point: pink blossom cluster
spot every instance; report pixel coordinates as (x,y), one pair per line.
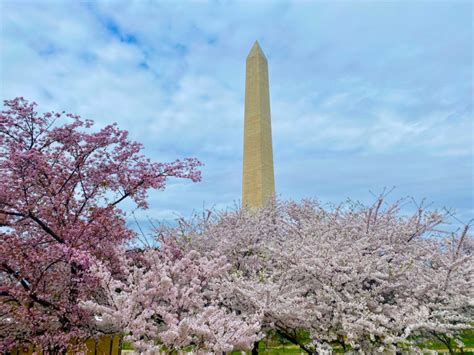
(60,187)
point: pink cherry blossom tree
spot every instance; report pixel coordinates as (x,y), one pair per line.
(170,299)
(60,188)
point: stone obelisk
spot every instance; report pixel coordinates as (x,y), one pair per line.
(258,182)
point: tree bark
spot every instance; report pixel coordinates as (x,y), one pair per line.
(255,348)
(294,341)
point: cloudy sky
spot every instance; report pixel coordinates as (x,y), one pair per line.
(364,95)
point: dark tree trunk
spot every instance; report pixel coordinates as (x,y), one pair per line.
(255,348)
(295,341)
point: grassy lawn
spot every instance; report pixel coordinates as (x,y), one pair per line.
(273,347)
(467,339)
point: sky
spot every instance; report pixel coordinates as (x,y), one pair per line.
(364,95)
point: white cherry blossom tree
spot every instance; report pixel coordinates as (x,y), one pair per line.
(170,299)
(361,277)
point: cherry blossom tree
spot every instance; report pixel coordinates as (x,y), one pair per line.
(60,188)
(361,277)
(446,294)
(171,299)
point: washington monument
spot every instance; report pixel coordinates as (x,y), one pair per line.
(258,181)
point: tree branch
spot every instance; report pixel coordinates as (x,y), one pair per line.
(24,284)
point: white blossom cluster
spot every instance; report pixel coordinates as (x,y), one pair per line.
(364,278)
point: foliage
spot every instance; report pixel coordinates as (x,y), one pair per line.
(60,187)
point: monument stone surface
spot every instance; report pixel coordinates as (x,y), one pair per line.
(258,181)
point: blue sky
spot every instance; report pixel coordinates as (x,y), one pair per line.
(364,95)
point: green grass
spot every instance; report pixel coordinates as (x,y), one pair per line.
(276,347)
(467,338)
(282,349)
(127,346)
